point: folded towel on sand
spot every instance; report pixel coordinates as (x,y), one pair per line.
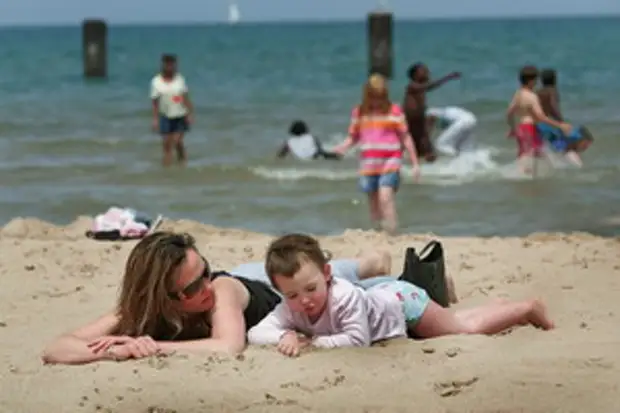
(122,223)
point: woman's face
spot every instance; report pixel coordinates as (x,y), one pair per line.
(193,285)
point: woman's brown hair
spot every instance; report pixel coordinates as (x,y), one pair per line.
(144,305)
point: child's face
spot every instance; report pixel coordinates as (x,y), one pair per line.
(422,74)
(306,292)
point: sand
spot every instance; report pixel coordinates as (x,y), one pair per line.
(54,279)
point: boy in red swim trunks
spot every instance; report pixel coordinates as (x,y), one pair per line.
(526,106)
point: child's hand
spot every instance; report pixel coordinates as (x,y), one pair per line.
(289,344)
(511,134)
(415,172)
(339,150)
(304,341)
(566,128)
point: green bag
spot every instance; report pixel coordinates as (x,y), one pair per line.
(428,271)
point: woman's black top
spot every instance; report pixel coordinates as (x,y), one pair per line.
(262,299)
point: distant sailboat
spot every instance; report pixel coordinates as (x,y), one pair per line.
(233,13)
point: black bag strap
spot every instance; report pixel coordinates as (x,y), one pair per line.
(429,247)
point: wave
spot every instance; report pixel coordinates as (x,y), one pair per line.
(469,166)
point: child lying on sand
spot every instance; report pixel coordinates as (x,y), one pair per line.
(323,311)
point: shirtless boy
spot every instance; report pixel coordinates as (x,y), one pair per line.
(571,145)
(526,106)
(415,107)
(548,95)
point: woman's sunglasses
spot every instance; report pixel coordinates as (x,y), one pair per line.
(194,287)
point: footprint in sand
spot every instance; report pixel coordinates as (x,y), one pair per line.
(452,388)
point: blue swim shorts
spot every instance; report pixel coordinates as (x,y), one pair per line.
(172,125)
(372,183)
(413,299)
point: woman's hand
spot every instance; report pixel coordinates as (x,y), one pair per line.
(102,344)
(123,347)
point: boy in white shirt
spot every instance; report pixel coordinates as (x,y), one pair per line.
(457,127)
(323,311)
(303,145)
(172,108)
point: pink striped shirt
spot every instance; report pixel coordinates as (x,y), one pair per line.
(379,137)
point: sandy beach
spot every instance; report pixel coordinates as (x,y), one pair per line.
(54,279)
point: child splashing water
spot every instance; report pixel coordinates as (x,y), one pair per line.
(323,311)
(379,127)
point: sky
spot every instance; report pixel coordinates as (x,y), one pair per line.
(19,12)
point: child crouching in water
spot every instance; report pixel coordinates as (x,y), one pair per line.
(323,311)
(380,128)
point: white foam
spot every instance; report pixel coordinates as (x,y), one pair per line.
(475,165)
(295,174)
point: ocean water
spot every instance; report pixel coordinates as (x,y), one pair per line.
(70,147)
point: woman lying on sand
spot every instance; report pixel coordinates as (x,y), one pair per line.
(168,303)
(326,312)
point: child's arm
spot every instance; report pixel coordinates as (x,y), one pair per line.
(510,114)
(187,101)
(155,95)
(406,139)
(554,103)
(283,151)
(353,321)
(353,134)
(345,145)
(273,327)
(416,87)
(539,116)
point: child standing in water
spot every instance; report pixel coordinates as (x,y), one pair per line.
(172,108)
(570,145)
(379,127)
(526,106)
(323,311)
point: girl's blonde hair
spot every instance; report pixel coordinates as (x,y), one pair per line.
(375,96)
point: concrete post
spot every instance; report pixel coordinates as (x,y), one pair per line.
(380,53)
(94,48)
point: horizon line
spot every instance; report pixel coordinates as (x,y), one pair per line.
(177,23)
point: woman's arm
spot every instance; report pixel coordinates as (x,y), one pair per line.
(227,321)
(72,348)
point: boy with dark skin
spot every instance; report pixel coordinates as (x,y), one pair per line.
(570,145)
(414,107)
(548,95)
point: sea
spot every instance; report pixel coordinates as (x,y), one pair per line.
(71,146)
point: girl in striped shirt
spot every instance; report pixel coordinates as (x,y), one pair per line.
(379,127)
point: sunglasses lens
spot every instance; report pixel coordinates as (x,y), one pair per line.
(194,288)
